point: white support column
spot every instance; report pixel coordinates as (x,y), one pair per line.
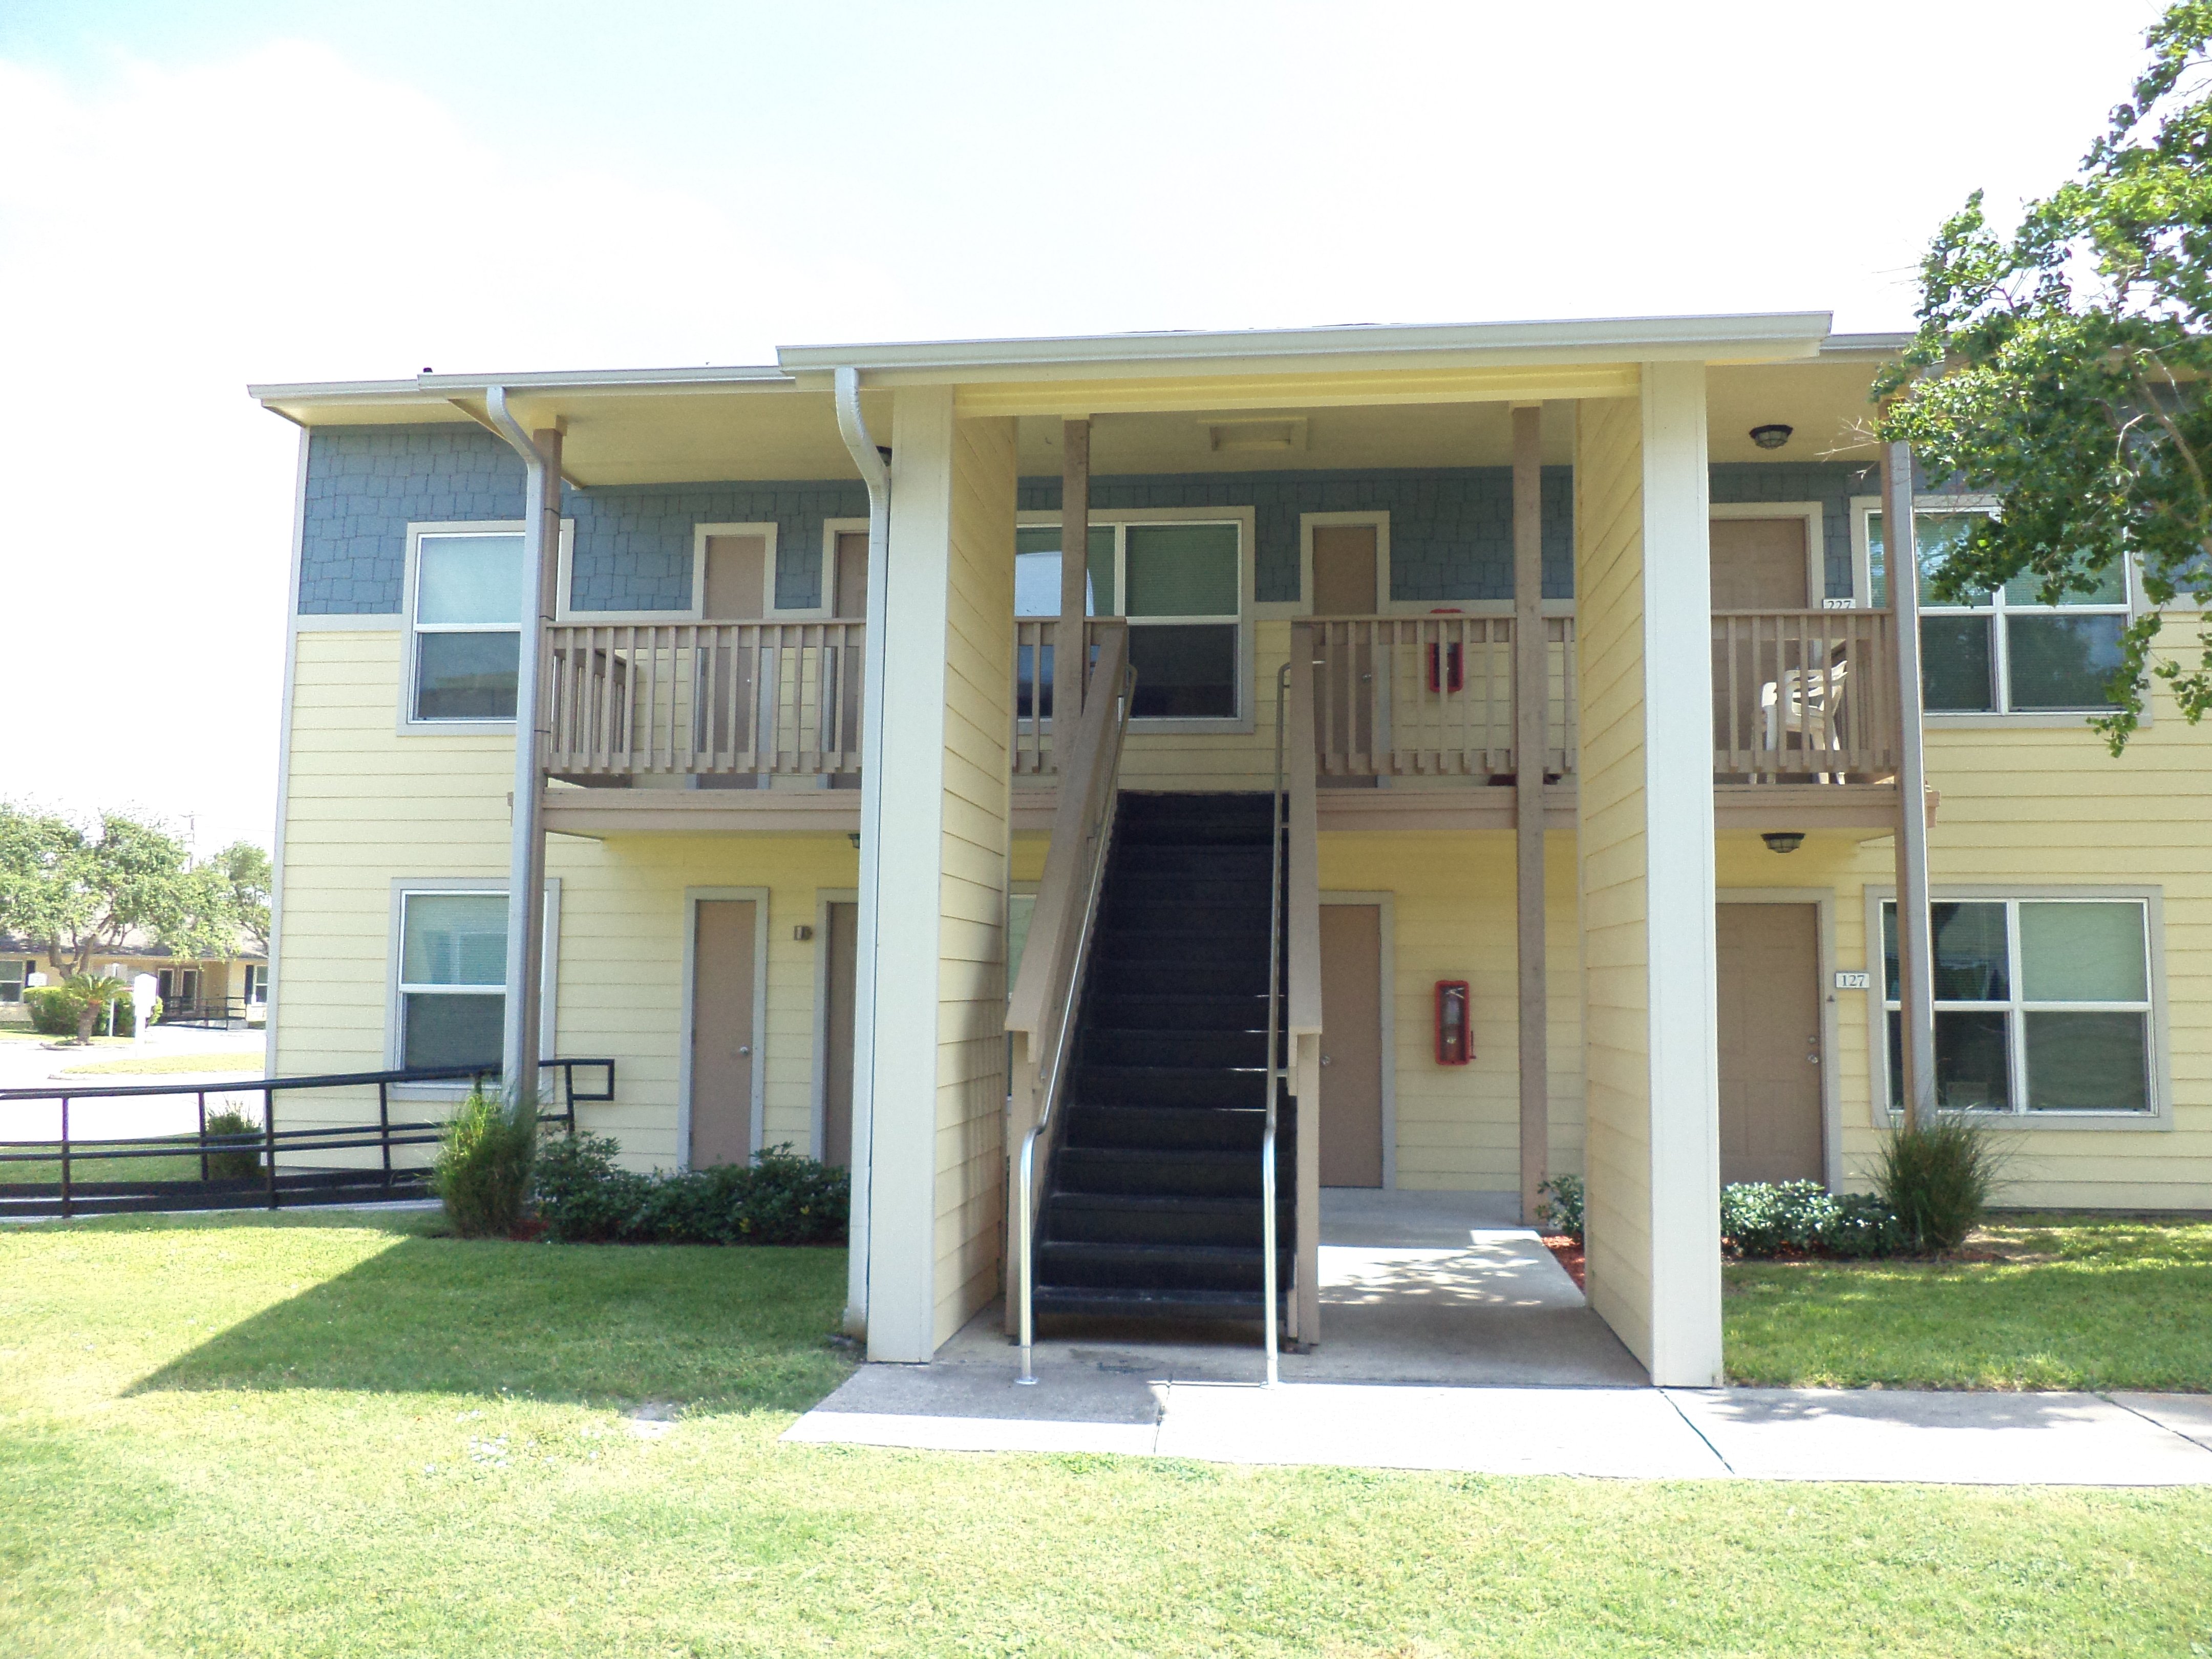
(1685,1062)
(1916,940)
(936,855)
(1531,707)
(902,1057)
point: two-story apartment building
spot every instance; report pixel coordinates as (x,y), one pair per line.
(838,851)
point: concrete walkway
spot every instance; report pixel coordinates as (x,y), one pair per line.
(1452,1340)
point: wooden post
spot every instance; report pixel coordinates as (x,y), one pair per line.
(1916,946)
(1071,657)
(1531,700)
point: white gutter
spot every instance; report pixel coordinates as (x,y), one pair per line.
(876,473)
(520,1034)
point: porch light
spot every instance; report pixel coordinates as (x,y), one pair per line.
(1773,435)
(1783,841)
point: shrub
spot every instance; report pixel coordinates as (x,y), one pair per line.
(1562,1205)
(484,1160)
(1938,1179)
(237,1163)
(54,1010)
(1762,1220)
(780,1198)
(89,995)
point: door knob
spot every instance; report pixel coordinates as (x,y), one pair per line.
(744,1048)
(1324,1060)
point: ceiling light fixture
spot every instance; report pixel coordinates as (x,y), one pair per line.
(1783,841)
(1773,435)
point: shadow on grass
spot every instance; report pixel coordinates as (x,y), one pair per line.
(718,1329)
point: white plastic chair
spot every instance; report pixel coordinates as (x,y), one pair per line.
(1806,701)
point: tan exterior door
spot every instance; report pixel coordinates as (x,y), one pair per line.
(1770,1043)
(1352,1045)
(1759,564)
(851,599)
(1343,559)
(723,1039)
(840,947)
(737,577)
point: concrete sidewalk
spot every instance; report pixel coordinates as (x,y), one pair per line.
(1623,1433)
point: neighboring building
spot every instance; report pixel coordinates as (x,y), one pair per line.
(780,946)
(229,990)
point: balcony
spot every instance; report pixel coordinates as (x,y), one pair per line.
(757,725)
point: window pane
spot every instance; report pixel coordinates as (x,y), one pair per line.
(2111,589)
(1970,951)
(1973,1067)
(1182,570)
(442,1029)
(2088,1062)
(1037,571)
(1937,535)
(470,579)
(466,676)
(1184,673)
(2062,662)
(2082,953)
(1954,663)
(455,938)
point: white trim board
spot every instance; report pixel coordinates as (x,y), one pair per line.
(757,1106)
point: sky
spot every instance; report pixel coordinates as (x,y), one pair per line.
(196,197)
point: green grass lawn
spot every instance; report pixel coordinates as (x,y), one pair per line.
(2077,1304)
(164,1064)
(339,1436)
(48,1172)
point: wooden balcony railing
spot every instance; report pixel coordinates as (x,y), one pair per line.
(632,700)
(1413,696)
(1804,696)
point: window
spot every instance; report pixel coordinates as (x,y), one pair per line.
(256,985)
(467,626)
(1181,587)
(14,975)
(2041,1005)
(453,978)
(2005,653)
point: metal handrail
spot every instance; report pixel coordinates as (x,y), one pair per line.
(1101,836)
(1268,1274)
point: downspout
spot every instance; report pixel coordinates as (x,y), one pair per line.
(525,858)
(1916,943)
(875,471)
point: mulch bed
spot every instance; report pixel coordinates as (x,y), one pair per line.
(1568,1252)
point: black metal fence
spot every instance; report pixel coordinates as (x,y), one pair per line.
(275,1166)
(215,1013)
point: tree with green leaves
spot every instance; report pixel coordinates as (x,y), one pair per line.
(247,876)
(76,892)
(2066,367)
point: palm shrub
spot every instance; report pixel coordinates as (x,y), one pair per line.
(237,1163)
(89,995)
(1937,1178)
(485,1157)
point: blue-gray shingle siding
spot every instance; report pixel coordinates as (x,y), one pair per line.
(1452,530)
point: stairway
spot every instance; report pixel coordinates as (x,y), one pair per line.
(1152,1204)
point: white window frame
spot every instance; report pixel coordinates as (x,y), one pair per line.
(1244,518)
(1815,517)
(395,1003)
(832,529)
(818,1093)
(1999,609)
(2157,1068)
(410,664)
